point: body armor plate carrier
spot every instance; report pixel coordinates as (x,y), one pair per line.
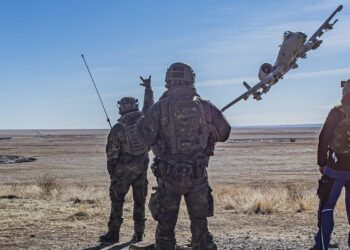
(131,143)
(340,142)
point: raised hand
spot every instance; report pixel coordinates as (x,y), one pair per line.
(146,82)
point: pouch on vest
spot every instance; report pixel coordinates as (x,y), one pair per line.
(132,144)
(189,130)
(183,174)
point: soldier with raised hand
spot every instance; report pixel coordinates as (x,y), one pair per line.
(182,129)
(127,163)
(334,165)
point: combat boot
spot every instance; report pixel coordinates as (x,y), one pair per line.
(206,243)
(137,237)
(110,236)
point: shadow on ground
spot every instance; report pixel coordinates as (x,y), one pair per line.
(109,246)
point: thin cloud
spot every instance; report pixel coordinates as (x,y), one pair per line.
(320,73)
(293,76)
(339,40)
(223,82)
(325,5)
(264,38)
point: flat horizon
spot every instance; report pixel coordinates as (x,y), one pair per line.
(316,125)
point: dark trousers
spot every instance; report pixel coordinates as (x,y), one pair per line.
(199,202)
(118,190)
(329,191)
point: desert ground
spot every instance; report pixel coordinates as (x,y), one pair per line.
(264,182)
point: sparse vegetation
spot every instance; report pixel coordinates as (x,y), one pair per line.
(296,192)
(266,200)
(248,200)
(255,208)
(262,207)
(80,215)
(74,207)
(47,184)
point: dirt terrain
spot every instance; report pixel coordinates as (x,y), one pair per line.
(264,182)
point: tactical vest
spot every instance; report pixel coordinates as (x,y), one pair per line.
(340,142)
(185,124)
(130,142)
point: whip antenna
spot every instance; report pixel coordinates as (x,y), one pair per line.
(98,93)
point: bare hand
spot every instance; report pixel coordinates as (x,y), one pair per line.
(146,82)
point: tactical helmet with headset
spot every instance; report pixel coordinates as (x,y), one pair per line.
(128,104)
(179,74)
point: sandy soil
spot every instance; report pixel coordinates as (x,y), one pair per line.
(250,176)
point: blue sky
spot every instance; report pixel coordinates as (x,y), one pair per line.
(44,84)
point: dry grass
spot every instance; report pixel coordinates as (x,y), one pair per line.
(70,193)
(46,210)
(249,200)
(78,209)
(266,200)
(75,201)
(47,184)
(71,205)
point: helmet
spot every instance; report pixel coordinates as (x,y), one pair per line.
(179,73)
(346,87)
(128,104)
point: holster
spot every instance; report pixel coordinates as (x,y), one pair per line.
(324,188)
(155,167)
(154,205)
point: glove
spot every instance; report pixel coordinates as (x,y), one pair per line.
(146,82)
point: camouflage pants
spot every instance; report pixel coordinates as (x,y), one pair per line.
(124,178)
(164,206)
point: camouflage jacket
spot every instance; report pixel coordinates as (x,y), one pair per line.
(156,130)
(118,138)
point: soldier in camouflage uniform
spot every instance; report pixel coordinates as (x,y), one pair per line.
(182,129)
(334,165)
(127,163)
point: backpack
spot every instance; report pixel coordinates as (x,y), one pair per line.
(340,142)
(188,126)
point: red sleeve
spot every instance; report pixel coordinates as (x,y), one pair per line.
(326,135)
